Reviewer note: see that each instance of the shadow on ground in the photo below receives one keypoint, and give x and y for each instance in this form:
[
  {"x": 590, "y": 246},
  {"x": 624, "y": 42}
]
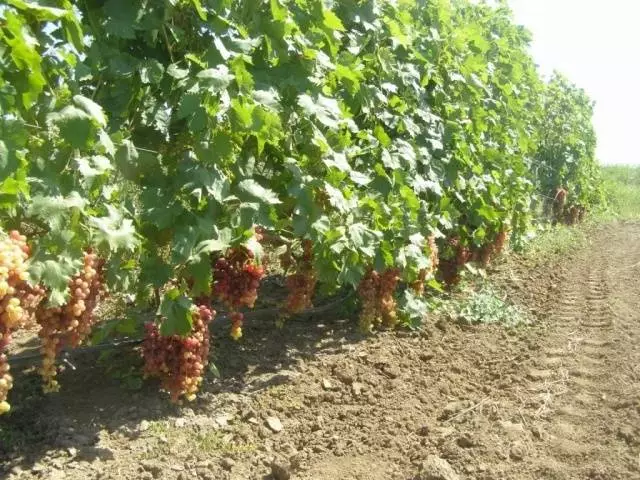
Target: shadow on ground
[{"x": 91, "y": 402}]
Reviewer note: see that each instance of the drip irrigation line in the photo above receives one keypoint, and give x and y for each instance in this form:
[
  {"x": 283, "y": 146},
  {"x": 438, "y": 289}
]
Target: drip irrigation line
[{"x": 65, "y": 354}]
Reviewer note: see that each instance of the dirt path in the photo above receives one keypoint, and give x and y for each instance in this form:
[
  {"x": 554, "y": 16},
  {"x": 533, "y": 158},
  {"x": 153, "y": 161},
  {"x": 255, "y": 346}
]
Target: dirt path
[{"x": 559, "y": 400}]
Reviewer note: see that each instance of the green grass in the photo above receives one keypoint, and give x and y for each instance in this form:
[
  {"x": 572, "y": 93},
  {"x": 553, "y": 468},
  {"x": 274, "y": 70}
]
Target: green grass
[
  {"x": 557, "y": 241},
  {"x": 622, "y": 185}
]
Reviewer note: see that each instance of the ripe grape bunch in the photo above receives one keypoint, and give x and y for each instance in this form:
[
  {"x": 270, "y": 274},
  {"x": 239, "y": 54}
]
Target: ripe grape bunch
[
  {"x": 302, "y": 283},
  {"x": 425, "y": 273},
  {"x": 378, "y": 304},
  {"x": 367, "y": 293},
  {"x": 15, "y": 300},
  {"x": 70, "y": 324},
  {"x": 500, "y": 242},
  {"x": 179, "y": 361},
  {"x": 386, "y": 299},
  {"x": 236, "y": 281}
]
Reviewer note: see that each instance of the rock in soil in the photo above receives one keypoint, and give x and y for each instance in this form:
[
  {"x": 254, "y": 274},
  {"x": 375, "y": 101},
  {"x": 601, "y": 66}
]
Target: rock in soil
[
  {"x": 274, "y": 424},
  {"x": 436, "y": 468}
]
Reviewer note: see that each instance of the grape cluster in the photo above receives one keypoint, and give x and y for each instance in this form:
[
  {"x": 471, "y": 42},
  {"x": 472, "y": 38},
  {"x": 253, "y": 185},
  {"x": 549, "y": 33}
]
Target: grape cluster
[
  {"x": 386, "y": 297},
  {"x": 367, "y": 293},
  {"x": 453, "y": 257},
  {"x": 559, "y": 202},
  {"x": 179, "y": 361},
  {"x": 70, "y": 324},
  {"x": 236, "y": 281},
  {"x": 425, "y": 273},
  {"x": 237, "y": 318},
  {"x": 302, "y": 283},
  {"x": 377, "y": 299},
  {"x": 14, "y": 253},
  {"x": 500, "y": 242}
]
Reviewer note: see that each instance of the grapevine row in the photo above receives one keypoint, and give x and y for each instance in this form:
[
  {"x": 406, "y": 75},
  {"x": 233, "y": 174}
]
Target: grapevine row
[{"x": 368, "y": 144}]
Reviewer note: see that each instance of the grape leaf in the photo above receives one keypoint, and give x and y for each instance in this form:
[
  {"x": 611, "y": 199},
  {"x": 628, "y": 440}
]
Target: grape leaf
[
  {"x": 54, "y": 210},
  {"x": 175, "y": 309},
  {"x": 75, "y": 125},
  {"x": 92, "y": 108},
  {"x": 114, "y": 230},
  {"x": 254, "y": 190}
]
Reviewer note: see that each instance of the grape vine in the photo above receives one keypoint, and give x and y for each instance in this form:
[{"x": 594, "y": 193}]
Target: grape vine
[{"x": 364, "y": 127}]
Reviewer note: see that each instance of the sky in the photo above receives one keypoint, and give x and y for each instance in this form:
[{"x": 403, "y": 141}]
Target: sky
[{"x": 596, "y": 44}]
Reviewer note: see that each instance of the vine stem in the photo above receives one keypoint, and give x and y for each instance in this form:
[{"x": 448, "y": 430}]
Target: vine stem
[{"x": 166, "y": 41}]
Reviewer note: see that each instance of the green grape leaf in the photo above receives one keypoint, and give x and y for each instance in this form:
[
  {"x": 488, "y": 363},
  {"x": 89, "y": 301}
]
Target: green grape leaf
[
  {"x": 201, "y": 11},
  {"x": 325, "y": 109},
  {"x": 216, "y": 79},
  {"x": 92, "y": 108},
  {"x": 254, "y": 190},
  {"x": 219, "y": 244},
  {"x": 75, "y": 125},
  {"x": 151, "y": 71},
  {"x": 55, "y": 275},
  {"x": 176, "y": 72},
  {"x": 4, "y": 156},
  {"x": 331, "y": 21},
  {"x": 200, "y": 273},
  {"x": 55, "y": 210},
  {"x": 114, "y": 230},
  {"x": 175, "y": 308}
]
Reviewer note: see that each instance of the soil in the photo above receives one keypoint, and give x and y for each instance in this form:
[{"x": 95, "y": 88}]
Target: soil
[{"x": 316, "y": 400}]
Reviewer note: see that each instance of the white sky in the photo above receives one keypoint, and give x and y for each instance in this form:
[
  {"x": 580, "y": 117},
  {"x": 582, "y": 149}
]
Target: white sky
[{"x": 596, "y": 44}]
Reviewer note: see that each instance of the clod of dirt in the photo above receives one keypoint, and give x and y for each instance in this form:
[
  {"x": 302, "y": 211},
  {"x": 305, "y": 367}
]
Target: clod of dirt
[
  {"x": 436, "y": 468},
  {"x": 466, "y": 441},
  {"x": 426, "y": 356},
  {"x": 627, "y": 434},
  {"x": 538, "y": 375},
  {"x": 153, "y": 468},
  {"x": 327, "y": 385},
  {"x": 227, "y": 463},
  {"x": 274, "y": 424},
  {"x": 356, "y": 388},
  {"x": 517, "y": 451},
  {"x": 452, "y": 408},
  {"x": 280, "y": 470},
  {"x": 345, "y": 375}
]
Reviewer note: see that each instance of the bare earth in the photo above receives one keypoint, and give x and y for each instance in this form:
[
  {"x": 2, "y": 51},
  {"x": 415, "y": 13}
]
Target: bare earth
[{"x": 558, "y": 400}]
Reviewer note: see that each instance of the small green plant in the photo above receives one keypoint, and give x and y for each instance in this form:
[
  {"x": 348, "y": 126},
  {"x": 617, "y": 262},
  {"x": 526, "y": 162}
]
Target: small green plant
[
  {"x": 485, "y": 307},
  {"x": 622, "y": 187}
]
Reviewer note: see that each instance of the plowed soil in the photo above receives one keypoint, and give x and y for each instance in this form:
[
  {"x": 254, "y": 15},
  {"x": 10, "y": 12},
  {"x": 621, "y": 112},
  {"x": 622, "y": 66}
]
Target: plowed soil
[{"x": 556, "y": 400}]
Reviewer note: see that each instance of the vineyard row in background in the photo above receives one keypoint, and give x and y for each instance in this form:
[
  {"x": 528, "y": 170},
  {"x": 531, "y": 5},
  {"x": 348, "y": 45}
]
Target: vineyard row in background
[{"x": 151, "y": 150}]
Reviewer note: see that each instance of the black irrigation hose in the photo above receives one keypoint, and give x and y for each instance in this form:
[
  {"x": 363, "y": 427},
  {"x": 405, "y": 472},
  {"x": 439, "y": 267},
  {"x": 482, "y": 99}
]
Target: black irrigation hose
[{"x": 27, "y": 358}]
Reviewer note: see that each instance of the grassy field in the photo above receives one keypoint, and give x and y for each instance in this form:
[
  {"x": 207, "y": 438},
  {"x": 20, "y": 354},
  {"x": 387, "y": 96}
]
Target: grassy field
[{"x": 622, "y": 183}]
